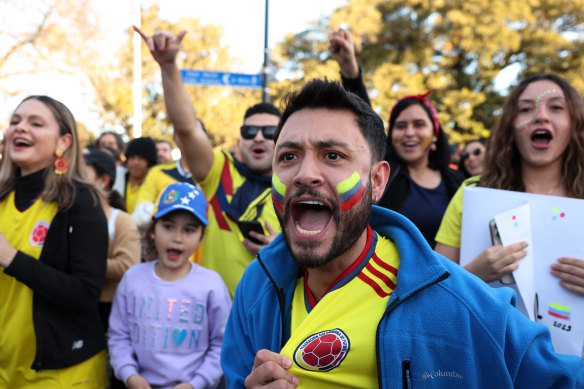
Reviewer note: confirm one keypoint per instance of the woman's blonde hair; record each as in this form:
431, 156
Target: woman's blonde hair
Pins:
59, 188
502, 165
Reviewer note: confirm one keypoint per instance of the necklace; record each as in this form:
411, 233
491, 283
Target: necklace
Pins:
549, 192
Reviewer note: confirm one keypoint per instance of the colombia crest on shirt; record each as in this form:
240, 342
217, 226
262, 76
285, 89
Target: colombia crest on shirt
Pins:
322, 351
332, 341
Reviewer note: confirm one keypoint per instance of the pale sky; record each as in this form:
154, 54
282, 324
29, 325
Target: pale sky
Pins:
243, 23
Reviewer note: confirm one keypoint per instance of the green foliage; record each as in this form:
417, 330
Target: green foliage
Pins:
220, 109
455, 48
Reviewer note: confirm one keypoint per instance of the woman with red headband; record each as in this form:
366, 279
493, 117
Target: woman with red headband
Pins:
421, 184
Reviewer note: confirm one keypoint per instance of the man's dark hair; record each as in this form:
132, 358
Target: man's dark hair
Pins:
331, 95
262, 108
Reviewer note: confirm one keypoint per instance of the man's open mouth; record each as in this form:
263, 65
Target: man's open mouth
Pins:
311, 217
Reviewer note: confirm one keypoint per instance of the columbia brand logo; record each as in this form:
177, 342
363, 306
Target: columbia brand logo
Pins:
77, 344
441, 374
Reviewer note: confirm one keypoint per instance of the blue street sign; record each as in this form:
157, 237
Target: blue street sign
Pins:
198, 77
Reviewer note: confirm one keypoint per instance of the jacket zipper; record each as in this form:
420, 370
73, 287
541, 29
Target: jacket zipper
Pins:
395, 303
406, 375
281, 300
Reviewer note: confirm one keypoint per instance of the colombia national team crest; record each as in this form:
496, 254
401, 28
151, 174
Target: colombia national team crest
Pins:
38, 234
322, 351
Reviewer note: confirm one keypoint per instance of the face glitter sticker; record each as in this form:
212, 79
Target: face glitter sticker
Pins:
278, 192
557, 214
351, 191
537, 107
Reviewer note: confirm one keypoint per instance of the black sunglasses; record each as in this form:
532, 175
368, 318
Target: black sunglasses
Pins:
465, 154
250, 132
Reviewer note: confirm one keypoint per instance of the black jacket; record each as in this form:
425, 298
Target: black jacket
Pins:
398, 185
67, 281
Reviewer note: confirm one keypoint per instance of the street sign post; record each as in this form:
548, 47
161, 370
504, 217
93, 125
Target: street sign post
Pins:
198, 77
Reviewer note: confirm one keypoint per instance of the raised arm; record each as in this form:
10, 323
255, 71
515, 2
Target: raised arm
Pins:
194, 143
342, 50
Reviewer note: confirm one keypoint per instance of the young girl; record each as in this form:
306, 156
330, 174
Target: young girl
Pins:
168, 316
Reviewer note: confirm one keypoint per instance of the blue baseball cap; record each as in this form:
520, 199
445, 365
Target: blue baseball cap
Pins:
182, 196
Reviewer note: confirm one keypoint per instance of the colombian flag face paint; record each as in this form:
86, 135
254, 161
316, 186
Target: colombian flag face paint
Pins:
278, 192
351, 191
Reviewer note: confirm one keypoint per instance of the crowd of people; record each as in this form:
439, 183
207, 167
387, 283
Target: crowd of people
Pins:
322, 251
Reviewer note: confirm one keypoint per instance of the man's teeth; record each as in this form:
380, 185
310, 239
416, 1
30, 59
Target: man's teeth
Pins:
306, 232
312, 202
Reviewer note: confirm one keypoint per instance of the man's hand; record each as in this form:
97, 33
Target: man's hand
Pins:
162, 44
254, 248
342, 50
496, 261
270, 371
571, 273
138, 382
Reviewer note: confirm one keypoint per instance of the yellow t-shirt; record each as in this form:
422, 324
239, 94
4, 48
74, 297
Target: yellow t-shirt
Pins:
158, 178
451, 226
26, 232
131, 196
222, 248
332, 343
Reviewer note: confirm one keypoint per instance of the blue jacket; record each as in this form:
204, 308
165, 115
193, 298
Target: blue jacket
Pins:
442, 328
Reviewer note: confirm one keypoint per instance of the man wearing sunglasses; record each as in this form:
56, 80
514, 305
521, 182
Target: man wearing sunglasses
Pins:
237, 191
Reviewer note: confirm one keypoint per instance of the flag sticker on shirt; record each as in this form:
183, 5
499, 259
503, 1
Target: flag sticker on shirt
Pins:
559, 311
322, 351
38, 234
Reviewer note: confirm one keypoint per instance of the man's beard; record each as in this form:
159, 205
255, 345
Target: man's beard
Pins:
350, 226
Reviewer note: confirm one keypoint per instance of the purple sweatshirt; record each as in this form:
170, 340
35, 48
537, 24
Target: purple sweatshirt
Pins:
169, 331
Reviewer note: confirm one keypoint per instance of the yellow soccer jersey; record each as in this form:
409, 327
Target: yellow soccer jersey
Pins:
222, 248
131, 196
332, 343
451, 226
158, 178
26, 231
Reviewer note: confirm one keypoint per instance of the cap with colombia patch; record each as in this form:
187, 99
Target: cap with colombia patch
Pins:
182, 196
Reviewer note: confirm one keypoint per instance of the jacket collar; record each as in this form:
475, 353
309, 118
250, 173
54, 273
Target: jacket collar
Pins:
419, 265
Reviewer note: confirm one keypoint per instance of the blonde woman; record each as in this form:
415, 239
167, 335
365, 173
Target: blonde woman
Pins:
53, 250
